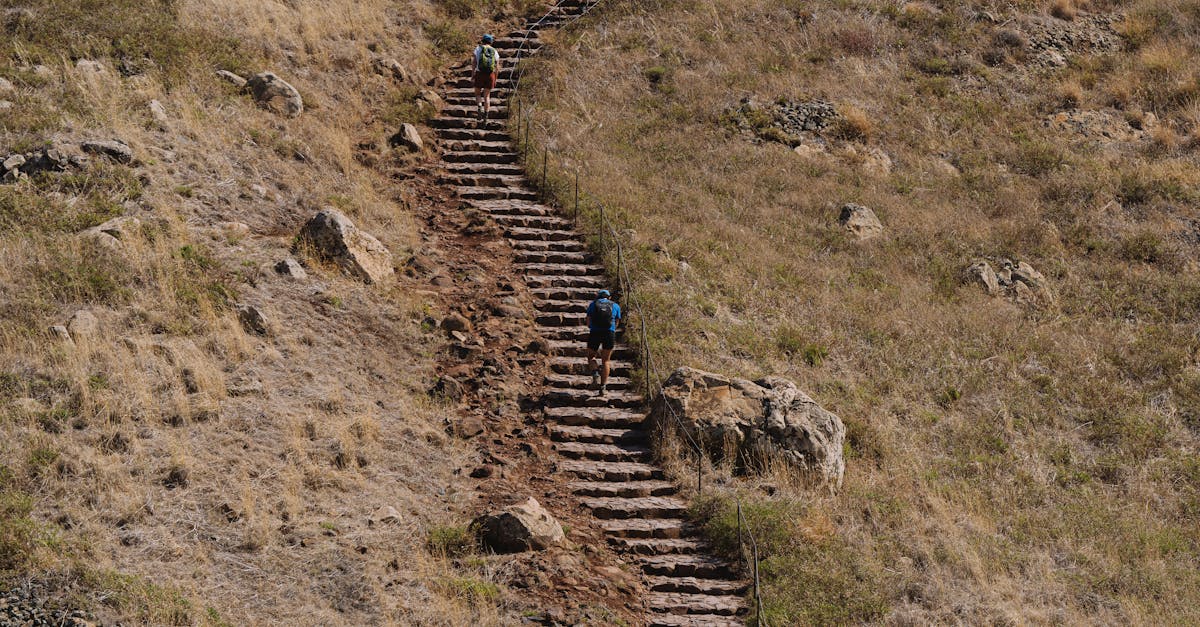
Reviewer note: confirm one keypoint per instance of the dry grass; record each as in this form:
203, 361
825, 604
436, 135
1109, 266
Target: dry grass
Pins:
1007, 463
176, 468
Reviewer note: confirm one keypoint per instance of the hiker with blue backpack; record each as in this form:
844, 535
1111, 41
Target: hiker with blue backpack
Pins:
602, 317
484, 72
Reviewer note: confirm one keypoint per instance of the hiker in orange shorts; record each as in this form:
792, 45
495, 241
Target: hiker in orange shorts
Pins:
483, 75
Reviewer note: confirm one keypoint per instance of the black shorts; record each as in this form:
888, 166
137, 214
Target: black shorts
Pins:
601, 338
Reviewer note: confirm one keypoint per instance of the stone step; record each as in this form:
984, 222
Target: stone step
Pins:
545, 235
449, 122
534, 222
683, 603
569, 348
701, 566
571, 334
464, 80
562, 319
646, 507
469, 92
668, 528
692, 585
516, 208
558, 246
578, 365
473, 134
479, 145
565, 306
556, 256
496, 112
623, 489
657, 546
611, 471
583, 380
575, 397
480, 157
604, 452
581, 433
696, 620
560, 268
598, 417
586, 294
484, 180
492, 193
558, 280
510, 169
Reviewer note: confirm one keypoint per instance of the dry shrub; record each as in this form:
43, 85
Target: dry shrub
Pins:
853, 124
1064, 9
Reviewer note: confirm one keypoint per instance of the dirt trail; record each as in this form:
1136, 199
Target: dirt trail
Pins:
600, 463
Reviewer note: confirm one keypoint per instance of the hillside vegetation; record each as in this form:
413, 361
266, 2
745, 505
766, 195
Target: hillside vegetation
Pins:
1012, 458
165, 465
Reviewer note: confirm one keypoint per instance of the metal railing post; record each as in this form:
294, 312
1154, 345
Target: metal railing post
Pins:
545, 167
575, 219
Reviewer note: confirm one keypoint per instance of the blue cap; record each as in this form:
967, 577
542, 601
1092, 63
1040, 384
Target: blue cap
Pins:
603, 294
487, 39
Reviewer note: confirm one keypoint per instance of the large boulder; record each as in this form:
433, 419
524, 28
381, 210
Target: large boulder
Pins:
860, 221
334, 237
521, 527
754, 423
275, 94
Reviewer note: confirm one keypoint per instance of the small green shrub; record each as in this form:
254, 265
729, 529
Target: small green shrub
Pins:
450, 540
448, 38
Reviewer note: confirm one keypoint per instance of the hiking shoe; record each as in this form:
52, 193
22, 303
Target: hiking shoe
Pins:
595, 377
603, 389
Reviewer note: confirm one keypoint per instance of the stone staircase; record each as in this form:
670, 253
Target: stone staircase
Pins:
602, 441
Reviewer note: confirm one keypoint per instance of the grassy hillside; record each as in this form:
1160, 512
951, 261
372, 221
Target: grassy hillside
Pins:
1012, 458
171, 467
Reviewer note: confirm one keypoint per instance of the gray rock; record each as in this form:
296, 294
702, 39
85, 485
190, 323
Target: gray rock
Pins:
231, 78
158, 112
6, 86
522, 527
860, 221
753, 423
252, 319
112, 233
408, 137
88, 66
116, 150
62, 334
981, 272
332, 236
84, 325
6, 105
456, 322
275, 94
291, 268
14, 162
392, 68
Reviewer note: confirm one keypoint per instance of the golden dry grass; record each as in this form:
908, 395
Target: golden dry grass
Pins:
1007, 463
176, 468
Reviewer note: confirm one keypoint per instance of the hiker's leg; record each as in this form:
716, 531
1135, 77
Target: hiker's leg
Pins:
591, 355
605, 356
478, 91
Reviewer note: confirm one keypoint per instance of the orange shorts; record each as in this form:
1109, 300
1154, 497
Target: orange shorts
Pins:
484, 81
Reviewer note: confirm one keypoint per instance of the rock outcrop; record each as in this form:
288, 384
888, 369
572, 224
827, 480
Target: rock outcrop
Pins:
522, 527
754, 423
1017, 280
408, 137
333, 237
275, 94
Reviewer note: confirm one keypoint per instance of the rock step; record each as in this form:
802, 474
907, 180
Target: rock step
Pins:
656, 546
558, 280
641, 507
545, 235
580, 433
592, 398
585, 294
480, 157
496, 113
578, 365
509, 169
491, 193
569, 348
692, 585
667, 528
482, 180
701, 566
570, 334
611, 471
581, 380
560, 268
683, 603
697, 620
469, 92
514, 208
623, 489
604, 452
464, 80
473, 134
576, 305
577, 257
450, 121
534, 222
479, 145
598, 417
567, 246
562, 319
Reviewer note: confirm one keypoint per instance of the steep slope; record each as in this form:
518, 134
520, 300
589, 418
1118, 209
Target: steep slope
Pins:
1024, 455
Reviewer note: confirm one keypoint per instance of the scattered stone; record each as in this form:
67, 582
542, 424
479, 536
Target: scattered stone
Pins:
1018, 280
14, 162
981, 272
246, 387
753, 423
6, 105
233, 230
456, 322
468, 427
231, 78
100, 240
449, 388
391, 67
408, 137
538, 346
6, 86
83, 325
62, 334
483, 472
860, 221
90, 67
116, 150
387, 515
252, 319
291, 268
177, 477
158, 112
523, 527
509, 311
334, 237
809, 150
275, 94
